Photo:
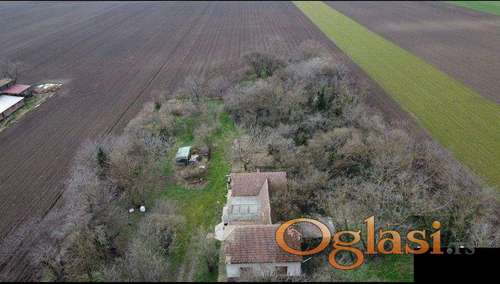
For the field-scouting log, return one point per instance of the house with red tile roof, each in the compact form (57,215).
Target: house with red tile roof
(253,249)
(247,230)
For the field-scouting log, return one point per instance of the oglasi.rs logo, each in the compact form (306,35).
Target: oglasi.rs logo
(417,238)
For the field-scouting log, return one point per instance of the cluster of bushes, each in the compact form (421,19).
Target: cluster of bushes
(262,66)
(97,238)
(304,115)
(145,258)
(107,179)
(308,118)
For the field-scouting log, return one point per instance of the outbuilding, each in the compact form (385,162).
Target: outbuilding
(19,90)
(9,104)
(183,155)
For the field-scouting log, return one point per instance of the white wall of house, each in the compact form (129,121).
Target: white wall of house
(223,231)
(262,269)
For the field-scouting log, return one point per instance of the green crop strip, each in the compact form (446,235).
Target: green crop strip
(459,118)
(492,7)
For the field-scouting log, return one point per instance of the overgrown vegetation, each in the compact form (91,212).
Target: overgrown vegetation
(459,118)
(345,162)
(262,66)
(304,115)
(196,257)
(100,239)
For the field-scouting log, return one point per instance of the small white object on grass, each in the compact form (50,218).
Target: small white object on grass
(131,210)
(142,208)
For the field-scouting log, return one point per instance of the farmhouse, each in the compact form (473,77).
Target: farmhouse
(253,250)
(18,90)
(247,229)
(9,104)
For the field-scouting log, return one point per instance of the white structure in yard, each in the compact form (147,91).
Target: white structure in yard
(247,230)
(9,104)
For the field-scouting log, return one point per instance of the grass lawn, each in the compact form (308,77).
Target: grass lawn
(387,268)
(201,207)
(492,7)
(459,118)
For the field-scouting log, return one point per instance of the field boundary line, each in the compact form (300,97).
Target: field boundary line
(460,119)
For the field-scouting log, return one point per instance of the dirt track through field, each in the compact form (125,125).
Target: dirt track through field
(112,57)
(461,42)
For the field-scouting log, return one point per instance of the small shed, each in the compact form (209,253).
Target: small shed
(183,155)
(18,90)
(9,104)
(6,83)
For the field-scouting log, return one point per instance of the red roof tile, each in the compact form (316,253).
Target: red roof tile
(16,89)
(257,244)
(249,184)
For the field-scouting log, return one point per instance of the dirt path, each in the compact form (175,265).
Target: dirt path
(461,42)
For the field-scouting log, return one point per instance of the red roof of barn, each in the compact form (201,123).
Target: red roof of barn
(16,89)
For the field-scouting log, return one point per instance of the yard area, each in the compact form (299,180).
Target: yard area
(397,268)
(201,207)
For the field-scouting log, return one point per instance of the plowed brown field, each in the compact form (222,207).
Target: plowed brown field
(113,57)
(461,42)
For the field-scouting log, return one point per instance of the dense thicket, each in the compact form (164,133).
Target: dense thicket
(305,115)
(309,118)
(96,237)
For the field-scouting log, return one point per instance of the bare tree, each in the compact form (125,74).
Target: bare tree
(195,88)
(9,69)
